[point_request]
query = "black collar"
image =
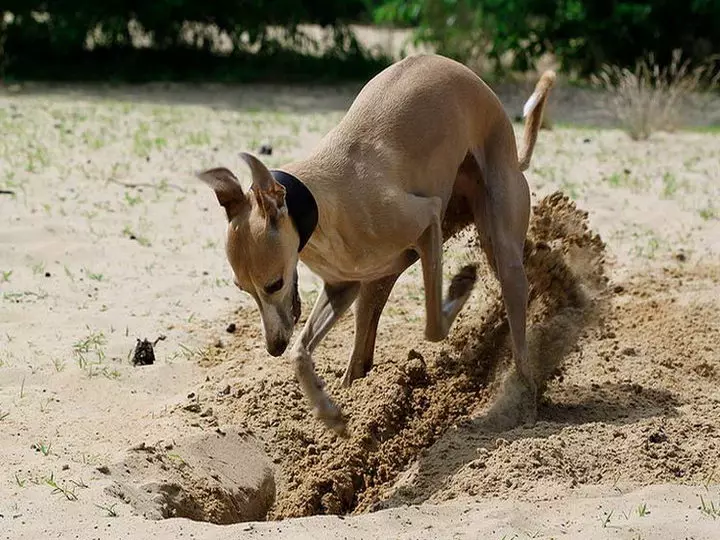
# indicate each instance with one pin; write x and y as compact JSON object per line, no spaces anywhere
{"x":301,"y":205}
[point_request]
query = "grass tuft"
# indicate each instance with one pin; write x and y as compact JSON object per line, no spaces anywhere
{"x":67,"y":492}
{"x":709,"y":508}
{"x":109,"y":509}
{"x":650,"y":97}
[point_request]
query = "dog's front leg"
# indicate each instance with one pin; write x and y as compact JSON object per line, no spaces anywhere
{"x":334,"y":300}
{"x":368,"y":308}
{"x":440,"y":315}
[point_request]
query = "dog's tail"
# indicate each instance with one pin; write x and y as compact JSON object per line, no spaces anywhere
{"x":533,"y":113}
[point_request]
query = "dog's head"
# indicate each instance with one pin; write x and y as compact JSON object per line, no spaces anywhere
{"x":262,"y":247}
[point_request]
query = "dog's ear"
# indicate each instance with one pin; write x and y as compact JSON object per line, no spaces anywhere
{"x":269,"y":193}
{"x":227,"y":189}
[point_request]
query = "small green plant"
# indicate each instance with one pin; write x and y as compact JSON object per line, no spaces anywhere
{"x":93,"y":342}
{"x":4,"y":415}
{"x":143,"y":143}
{"x":112,"y":374}
{"x":110,"y":509}
{"x":45,"y":405}
{"x":186,"y":352}
{"x":570,"y":188}
{"x":85,"y":349}
{"x":709,"y":479}
{"x":68,"y":493}
{"x":5,"y":275}
{"x":142,"y":240}
{"x":58,"y":364}
{"x":132,"y":200}
{"x":94,"y":275}
{"x":623,"y":179}
{"x":80,"y":484}
{"x":648,"y":244}
{"x":25,"y":295}
{"x":606,"y":518}
{"x":92,"y":345}
{"x":708,"y":213}
{"x":162,"y":187}
{"x":36,"y":158}
{"x":199,"y":138}
{"x":92,"y":140}
{"x":709,"y":508}
{"x":90,"y":459}
{"x":176,"y":458}
{"x":38,"y":268}
{"x":43,"y":448}
{"x":670,"y":185}
{"x":642,"y":510}
{"x":18,"y":481}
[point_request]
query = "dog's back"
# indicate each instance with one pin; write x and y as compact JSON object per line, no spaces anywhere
{"x":423,"y":106}
{"x":415,"y":122}
{"x":420,"y":94}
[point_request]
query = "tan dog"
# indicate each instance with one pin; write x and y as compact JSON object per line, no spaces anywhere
{"x":425,"y":149}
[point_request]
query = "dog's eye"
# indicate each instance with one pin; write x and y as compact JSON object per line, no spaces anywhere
{"x":274,"y":287}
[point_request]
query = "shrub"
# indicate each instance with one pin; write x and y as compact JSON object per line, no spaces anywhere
{"x":650,"y":97}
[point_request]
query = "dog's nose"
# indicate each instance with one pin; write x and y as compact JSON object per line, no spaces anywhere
{"x":277,"y":347}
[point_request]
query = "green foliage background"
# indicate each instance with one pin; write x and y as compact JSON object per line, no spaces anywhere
{"x":47,"y":39}
{"x":583,"y":34}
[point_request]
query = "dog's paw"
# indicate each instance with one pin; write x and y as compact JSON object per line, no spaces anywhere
{"x":352,"y":373}
{"x":332,"y":417}
{"x":515,"y":405}
{"x":348,"y":379}
{"x":462,"y":282}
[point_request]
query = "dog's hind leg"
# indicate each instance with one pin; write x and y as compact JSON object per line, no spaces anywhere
{"x":503,"y":213}
{"x":333,"y":302}
{"x":439,"y":314}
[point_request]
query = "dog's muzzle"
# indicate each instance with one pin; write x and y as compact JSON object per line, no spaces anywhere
{"x":277,"y":348}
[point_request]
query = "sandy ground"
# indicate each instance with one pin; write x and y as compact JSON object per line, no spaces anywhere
{"x":109,"y":239}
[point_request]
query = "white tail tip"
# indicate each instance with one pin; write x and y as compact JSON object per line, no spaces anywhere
{"x":531,"y":103}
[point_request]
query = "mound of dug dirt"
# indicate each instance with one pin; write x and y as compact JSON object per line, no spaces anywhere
{"x":413,"y":396}
{"x":221,"y":477}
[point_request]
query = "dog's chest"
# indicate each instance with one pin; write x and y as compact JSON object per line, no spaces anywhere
{"x":336,"y":260}
{"x":364,"y":234}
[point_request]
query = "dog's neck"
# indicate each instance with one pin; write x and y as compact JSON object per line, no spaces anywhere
{"x":301,"y":205}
